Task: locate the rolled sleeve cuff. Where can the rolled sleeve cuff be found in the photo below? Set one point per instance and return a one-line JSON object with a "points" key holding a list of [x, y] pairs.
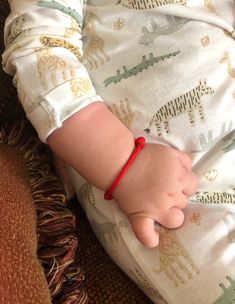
{"points": [[59, 104]]}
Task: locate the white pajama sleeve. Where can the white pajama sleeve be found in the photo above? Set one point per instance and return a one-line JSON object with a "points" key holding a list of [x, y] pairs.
{"points": [[43, 52]]}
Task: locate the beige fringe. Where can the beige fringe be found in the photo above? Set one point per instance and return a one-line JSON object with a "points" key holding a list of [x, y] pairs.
{"points": [[56, 225]]}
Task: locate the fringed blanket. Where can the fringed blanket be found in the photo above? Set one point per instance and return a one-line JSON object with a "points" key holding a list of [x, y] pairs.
{"points": [[24, 165]]}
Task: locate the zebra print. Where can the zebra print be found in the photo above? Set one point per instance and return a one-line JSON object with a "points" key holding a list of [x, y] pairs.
{"points": [[215, 198], [184, 104], [149, 4]]}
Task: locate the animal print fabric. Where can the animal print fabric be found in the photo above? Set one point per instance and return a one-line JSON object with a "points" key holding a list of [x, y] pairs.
{"points": [[166, 69]]}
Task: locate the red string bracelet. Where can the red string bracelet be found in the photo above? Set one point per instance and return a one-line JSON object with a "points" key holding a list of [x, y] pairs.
{"points": [[139, 144]]}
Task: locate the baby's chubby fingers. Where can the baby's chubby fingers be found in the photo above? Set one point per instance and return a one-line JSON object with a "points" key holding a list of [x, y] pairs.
{"points": [[144, 227], [185, 159], [171, 218], [190, 183], [189, 179], [144, 230]]}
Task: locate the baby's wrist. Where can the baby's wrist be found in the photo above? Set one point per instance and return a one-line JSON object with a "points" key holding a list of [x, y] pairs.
{"points": [[131, 179], [139, 145], [95, 143]]}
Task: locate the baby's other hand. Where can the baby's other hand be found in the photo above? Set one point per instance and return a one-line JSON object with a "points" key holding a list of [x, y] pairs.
{"points": [[155, 189]]}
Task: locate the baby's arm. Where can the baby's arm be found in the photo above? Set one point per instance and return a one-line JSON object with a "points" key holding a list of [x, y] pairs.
{"points": [[43, 53], [79, 127], [155, 187]]}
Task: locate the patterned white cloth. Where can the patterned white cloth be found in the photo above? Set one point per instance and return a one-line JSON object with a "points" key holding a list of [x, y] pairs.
{"points": [[166, 69]]}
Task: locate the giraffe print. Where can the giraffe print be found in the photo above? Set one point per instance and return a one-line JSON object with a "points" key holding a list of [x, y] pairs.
{"points": [[94, 52], [187, 103], [175, 261], [124, 112], [149, 4], [50, 67]]}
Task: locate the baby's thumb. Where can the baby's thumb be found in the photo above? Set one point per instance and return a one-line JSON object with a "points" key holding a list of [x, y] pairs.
{"points": [[144, 230]]}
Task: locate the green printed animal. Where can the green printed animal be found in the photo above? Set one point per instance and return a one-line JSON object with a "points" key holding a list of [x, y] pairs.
{"points": [[149, 4], [230, 146], [188, 104], [173, 24], [207, 141], [228, 296], [143, 65], [66, 10]]}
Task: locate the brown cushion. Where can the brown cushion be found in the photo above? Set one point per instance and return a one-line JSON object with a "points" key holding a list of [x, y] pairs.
{"points": [[22, 277], [27, 183]]}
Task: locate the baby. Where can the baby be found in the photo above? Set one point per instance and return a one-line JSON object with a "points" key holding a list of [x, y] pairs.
{"points": [[164, 70]]}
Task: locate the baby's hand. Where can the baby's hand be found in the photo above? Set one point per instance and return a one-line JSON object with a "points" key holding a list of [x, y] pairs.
{"points": [[155, 189]]}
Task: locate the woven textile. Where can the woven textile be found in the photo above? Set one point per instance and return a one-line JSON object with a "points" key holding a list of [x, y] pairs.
{"points": [[28, 184], [19, 265]]}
